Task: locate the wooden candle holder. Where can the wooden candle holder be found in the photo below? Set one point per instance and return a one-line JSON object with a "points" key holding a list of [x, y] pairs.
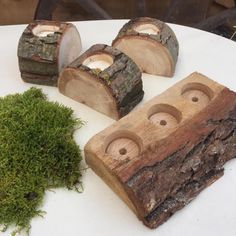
{"points": [[161, 156], [104, 79], [151, 44], [45, 48]]}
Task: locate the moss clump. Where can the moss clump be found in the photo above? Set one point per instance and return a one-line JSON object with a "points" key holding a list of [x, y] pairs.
{"points": [[37, 153]]}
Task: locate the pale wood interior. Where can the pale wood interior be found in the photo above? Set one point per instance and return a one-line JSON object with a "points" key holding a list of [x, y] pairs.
{"points": [[99, 61], [44, 30], [86, 89], [198, 94], [146, 28], [70, 47], [149, 55], [102, 170], [123, 148], [164, 116]]}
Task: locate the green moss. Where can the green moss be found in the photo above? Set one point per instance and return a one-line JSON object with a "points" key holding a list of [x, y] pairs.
{"points": [[96, 71], [106, 77], [37, 153]]}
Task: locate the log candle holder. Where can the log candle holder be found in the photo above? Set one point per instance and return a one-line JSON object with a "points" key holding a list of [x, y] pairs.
{"points": [[45, 48], [151, 44], [104, 79], [161, 156]]}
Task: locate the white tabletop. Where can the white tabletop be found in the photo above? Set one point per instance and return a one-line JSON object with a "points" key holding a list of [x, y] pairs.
{"points": [[98, 211]]}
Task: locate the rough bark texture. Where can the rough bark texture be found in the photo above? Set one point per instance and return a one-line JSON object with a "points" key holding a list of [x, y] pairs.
{"points": [[38, 56], [194, 166], [122, 78], [206, 143], [175, 164], [166, 37]]}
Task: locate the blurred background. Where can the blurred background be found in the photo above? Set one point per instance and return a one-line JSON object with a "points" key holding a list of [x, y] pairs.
{"points": [[217, 16]]}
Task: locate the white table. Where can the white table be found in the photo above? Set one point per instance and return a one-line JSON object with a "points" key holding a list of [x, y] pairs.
{"points": [[98, 211]]}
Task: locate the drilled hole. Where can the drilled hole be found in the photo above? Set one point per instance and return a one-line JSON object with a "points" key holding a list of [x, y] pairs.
{"points": [[194, 99], [122, 151], [147, 28], [163, 122], [99, 61], [164, 116], [45, 30]]}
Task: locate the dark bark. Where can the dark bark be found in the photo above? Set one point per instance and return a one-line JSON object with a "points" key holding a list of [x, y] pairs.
{"points": [[204, 145], [122, 78]]}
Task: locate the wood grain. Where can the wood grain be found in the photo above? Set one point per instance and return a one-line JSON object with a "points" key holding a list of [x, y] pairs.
{"points": [[178, 154], [151, 44], [113, 90]]}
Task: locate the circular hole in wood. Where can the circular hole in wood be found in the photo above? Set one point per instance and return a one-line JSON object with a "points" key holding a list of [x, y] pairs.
{"points": [[122, 151], [99, 61], [197, 93], [163, 122], [44, 30], [146, 28], [122, 145], [164, 116], [194, 99]]}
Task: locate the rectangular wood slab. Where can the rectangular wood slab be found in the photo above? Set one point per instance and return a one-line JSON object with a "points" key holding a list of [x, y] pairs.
{"points": [[161, 156]]}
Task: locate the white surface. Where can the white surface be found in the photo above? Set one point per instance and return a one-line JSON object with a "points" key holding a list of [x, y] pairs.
{"points": [[98, 211]]}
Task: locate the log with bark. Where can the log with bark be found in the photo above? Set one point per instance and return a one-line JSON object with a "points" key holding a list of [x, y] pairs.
{"points": [[104, 79], [151, 44], [161, 156], [45, 48]]}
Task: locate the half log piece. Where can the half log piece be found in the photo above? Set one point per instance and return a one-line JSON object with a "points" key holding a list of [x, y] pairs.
{"points": [[151, 44], [104, 79], [161, 156], [45, 48]]}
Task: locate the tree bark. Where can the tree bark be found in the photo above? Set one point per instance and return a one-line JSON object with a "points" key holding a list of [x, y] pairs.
{"points": [[39, 56], [122, 79], [175, 158], [164, 39]]}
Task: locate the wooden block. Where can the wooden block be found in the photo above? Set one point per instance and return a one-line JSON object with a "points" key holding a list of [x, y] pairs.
{"points": [[151, 44], [104, 79], [45, 48], [161, 156]]}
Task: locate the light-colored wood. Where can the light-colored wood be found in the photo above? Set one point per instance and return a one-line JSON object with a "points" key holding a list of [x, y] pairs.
{"points": [[137, 148], [86, 89], [104, 79], [151, 44], [99, 61]]}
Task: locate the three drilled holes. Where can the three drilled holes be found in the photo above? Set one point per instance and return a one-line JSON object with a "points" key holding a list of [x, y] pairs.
{"points": [[162, 115]]}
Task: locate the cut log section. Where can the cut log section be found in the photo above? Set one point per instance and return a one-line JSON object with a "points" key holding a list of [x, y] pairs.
{"points": [[104, 79], [151, 44], [161, 156], [45, 48]]}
